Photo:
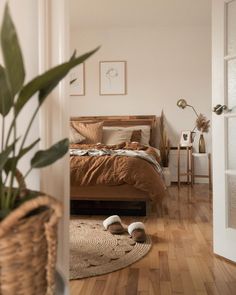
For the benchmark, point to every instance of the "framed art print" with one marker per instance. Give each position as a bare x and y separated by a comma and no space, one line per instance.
185,139
112,78
77,81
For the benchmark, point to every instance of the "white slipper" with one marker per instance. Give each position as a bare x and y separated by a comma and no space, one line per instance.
137,232
113,224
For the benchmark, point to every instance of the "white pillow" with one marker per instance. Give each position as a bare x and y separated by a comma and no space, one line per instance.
117,136
145,135
75,136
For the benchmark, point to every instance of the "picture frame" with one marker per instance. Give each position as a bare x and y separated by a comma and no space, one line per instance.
77,80
186,138
112,77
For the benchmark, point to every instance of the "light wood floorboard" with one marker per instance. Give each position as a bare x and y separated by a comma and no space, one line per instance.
181,260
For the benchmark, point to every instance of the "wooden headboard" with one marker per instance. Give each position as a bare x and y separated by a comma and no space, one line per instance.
124,121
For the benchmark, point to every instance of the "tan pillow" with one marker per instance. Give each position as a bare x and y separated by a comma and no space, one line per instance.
111,136
145,131
91,131
75,136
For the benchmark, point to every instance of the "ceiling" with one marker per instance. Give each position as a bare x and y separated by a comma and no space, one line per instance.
138,13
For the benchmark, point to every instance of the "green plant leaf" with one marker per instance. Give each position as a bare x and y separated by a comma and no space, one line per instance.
27,149
46,82
6,100
4,154
55,75
12,55
51,155
12,162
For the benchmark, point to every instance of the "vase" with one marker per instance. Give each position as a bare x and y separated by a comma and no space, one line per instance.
167,176
202,145
28,244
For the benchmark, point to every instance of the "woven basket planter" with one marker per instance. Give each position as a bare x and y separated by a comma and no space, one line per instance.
28,246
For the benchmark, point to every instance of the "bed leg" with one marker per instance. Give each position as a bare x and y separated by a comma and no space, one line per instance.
148,208
160,209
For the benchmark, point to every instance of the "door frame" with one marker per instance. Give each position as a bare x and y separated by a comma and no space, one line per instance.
53,33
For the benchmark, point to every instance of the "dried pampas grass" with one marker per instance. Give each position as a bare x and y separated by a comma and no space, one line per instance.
202,123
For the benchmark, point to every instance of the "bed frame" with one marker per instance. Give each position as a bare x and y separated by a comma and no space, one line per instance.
126,194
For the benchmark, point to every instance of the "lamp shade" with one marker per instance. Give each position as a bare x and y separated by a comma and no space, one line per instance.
182,103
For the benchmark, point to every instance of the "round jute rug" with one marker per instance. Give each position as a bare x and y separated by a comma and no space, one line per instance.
94,251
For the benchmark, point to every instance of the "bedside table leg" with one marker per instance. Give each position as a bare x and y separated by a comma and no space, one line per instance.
187,165
178,166
192,167
209,167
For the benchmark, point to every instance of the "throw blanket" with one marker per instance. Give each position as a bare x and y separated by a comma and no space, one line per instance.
120,152
116,165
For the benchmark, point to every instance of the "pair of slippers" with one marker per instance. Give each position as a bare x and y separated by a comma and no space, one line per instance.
135,229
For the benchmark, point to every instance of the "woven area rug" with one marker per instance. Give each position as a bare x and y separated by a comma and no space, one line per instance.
94,251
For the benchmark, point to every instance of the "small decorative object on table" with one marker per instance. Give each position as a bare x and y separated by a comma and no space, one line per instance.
186,138
203,126
202,123
164,150
28,219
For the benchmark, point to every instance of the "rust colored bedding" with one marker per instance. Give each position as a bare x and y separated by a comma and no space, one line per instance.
117,170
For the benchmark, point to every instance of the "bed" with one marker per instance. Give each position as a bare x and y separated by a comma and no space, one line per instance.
123,192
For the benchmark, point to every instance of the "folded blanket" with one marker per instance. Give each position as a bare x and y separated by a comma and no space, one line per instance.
119,152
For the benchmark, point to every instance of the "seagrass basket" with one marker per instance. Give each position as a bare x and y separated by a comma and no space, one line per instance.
28,246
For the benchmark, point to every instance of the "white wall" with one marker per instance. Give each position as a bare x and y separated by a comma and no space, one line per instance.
25,17
163,65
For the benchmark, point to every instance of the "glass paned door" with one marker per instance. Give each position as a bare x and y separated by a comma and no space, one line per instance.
231,24
230,117
232,200
224,127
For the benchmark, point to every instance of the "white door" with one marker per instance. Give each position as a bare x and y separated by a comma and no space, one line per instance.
224,127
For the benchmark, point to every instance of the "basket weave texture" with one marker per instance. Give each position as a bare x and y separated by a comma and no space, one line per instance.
28,246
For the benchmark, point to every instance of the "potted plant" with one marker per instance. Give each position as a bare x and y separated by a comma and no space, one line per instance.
28,219
164,147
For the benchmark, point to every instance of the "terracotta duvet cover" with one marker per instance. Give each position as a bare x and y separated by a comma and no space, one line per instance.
127,163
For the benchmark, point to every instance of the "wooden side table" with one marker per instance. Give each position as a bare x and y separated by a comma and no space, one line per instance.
189,171
208,157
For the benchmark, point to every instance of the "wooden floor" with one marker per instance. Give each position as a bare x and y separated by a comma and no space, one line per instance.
181,260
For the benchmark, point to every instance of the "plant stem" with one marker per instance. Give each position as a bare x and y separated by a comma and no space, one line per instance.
28,128
9,193
13,126
2,146
1,191
14,198
5,181
9,131
3,132
27,173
